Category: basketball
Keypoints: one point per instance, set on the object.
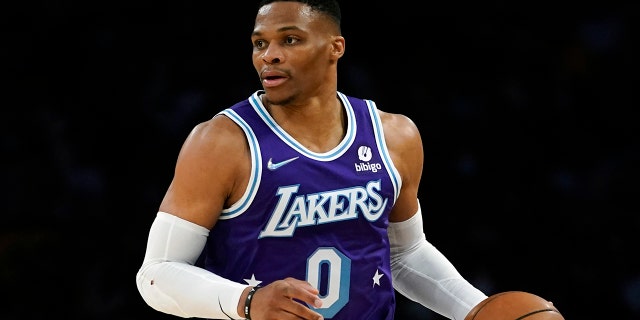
(514, 305)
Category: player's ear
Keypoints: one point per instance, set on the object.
(337, 47)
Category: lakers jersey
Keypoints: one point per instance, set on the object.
(319, 217)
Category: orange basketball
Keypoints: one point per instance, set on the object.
(514, 305)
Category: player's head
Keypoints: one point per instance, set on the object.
(296, 47)
(329, 7)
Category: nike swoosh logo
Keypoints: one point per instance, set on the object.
(273, 166)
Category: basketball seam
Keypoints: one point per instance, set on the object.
(534, 312)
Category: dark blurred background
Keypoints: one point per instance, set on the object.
(527, 114)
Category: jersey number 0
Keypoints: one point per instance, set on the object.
(338, 269)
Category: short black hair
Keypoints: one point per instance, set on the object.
(329, 7)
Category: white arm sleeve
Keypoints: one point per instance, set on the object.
(423, 274)
(168, 280)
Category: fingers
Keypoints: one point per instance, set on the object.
(283, 299)
(303, 291)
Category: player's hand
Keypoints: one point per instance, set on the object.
(277, 301)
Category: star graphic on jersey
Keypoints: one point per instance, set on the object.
(253, 282)
(376, 278)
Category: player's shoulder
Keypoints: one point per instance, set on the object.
(222, 131)
(215, 134)
(398, 124)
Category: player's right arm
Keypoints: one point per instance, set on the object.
(211, 173)
(203, 181)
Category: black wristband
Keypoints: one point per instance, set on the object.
(247, 302)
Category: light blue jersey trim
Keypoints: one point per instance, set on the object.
(396, 180)
(332, 154)
(256, 168)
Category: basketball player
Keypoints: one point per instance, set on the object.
(301, 191)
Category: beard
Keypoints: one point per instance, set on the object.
(278, 99)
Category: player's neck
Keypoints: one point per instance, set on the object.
(319, 126)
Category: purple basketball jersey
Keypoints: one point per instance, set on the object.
(319, 217)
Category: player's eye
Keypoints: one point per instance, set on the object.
(291, 40)
(259, 44)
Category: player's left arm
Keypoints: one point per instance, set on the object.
(420, 271)
(405, 146)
